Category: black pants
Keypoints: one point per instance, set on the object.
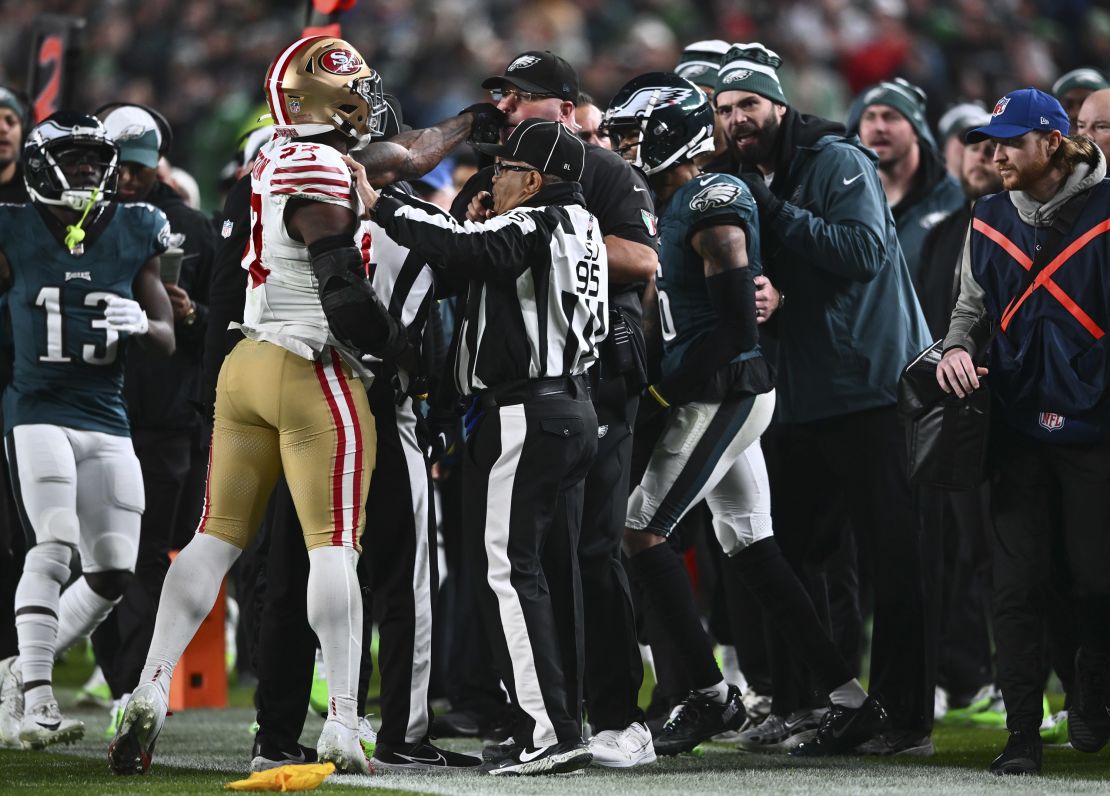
(13, 549)
(852, 469)
(1040, 492)
(397, 573)
(122, 640)
(613, 668)
(524, 474)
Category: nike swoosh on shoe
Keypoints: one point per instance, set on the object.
(437, 760)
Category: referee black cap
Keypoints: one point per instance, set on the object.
(548, 146)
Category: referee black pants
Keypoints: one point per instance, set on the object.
(1041, 494)
(524, 473)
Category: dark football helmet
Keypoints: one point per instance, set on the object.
(67, 157)
(666, 119)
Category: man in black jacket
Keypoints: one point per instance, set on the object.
(166, 428)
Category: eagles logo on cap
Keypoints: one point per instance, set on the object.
(523, 62)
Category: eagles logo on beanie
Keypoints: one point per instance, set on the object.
(700, 61)
(900, 94)
(754, 68)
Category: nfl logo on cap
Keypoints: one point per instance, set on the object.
(1000, 106)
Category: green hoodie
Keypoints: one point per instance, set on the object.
(851, 320)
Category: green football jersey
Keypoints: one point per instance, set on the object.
(68, 368)
(685, 311)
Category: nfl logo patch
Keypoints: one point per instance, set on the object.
(225, 232)
(1000, 106)
(1050, 421)
(294, 106)
(649, 222)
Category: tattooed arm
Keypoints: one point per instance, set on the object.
(414, 153)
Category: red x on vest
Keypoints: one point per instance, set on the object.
(1044, 278)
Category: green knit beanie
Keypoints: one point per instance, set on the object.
(751, 67)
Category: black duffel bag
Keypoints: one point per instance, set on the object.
(946, 436)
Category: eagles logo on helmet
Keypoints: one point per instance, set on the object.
(321, 83)
(670, 117)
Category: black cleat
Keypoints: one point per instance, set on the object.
(698, 719)
(266, 754)
(1022, 754)
(842, 729)
(1088, 719)
(455, 724)
(558, 758)
(420, 757)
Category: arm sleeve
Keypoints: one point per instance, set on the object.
(495, 250)
(845, 236)
(732, 296)
(969, 316)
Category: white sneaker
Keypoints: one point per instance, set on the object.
(130, 752)
(11, 701)
(623, 748)
(43, 726)
(367, 738)
(340, 745)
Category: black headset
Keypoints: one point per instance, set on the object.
(164, 128)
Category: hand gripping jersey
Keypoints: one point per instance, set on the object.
(283, 302)
(68, 368)
(684, 308)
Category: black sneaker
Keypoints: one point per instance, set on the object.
(1022, 754)
(698, 719)
(555, 759)
(1088, 719)
(422, 757)
(266, 754)
(455, 724)
(901, 743)
(842, 729)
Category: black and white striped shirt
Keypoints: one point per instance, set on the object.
(537, 299)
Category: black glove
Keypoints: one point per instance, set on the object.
(442, 428)
(488, 122)
(769, 205)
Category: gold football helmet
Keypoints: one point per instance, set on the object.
(320, 84)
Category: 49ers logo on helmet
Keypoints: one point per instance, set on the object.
(341, 62)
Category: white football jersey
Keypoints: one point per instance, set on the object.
(283, 300)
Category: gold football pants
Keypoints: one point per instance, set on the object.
(275, 412)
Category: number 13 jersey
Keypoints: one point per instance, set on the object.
(68, 368)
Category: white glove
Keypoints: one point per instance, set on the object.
(125, 315)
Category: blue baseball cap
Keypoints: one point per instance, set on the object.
(1020, 112)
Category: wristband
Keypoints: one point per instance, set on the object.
(659, 399)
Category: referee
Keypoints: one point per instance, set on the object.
(534, 316)
(607, 664)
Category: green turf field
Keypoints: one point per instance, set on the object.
(201, 750)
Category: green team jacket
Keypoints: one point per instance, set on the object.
(851, 320)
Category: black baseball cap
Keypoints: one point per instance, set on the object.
(548, 146)
(539, 73)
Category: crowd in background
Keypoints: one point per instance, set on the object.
(211, 56)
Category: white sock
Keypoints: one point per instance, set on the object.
(850, 695)
(335, 614)
(188, 594)
(718, 693)
(45, 569)
(80, 612)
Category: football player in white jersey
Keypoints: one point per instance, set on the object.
(288, 397)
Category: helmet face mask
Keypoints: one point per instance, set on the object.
(320, 84)
(672, 116)
(69, 161)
